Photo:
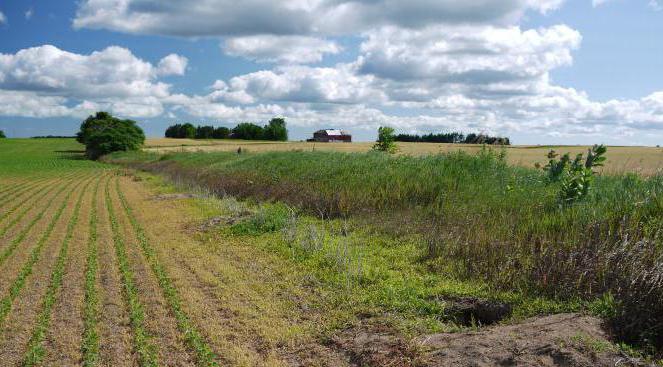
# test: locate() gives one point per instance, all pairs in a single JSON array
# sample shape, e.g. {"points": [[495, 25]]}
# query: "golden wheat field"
{"points": [[621, 159]]}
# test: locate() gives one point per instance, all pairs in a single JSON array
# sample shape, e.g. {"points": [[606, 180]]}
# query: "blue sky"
{"points": [[549, 71]]}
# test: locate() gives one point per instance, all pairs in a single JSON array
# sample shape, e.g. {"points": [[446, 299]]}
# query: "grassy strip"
{"points": [[26, 271], [9, 250], [90, 345], [145, 350], [204, 354], [36, 352], [25, 210]]}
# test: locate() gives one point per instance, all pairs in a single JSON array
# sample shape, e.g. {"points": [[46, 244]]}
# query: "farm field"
{"points": [[641, 160], [105, 265]]}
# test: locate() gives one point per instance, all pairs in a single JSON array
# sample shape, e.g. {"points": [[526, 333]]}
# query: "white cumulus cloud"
{"points": [[172, 65], [280, 49], [50, 80]]}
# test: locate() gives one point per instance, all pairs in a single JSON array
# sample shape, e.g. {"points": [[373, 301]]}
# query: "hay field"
{"points": [[642, 160]]}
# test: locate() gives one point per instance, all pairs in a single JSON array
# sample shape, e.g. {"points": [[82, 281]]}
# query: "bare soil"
{"points": [[570, 340]]}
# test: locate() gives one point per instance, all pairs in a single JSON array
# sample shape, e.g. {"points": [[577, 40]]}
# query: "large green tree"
{"points": [[102, 134], [204, 132], [248, 131], [276, 130], [221, 132], [2, 134]]}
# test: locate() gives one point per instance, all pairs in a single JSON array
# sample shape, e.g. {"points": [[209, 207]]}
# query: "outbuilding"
{"points": [[331, 136]]}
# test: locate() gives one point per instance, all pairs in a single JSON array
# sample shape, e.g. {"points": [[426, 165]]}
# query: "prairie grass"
{"points": [[645, 161], [473, 216]]}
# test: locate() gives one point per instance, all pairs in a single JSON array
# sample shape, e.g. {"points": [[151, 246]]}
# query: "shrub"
{"points": [[575, 175], [102, 134], [386, 140], [2, 135]]}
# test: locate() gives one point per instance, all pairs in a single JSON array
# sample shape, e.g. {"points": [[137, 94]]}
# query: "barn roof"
{"points": [[334, 132]]}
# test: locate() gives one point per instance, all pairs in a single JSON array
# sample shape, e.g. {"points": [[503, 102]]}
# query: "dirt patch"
{"points": [[559, 340], [569, 340], [375, 344], [470, 311]]}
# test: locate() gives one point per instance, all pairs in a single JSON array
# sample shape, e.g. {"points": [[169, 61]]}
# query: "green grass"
{"points": [[429, 227], [146, 351], [35, 352]]}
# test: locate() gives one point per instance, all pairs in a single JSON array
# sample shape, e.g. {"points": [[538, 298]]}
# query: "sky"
{"points": [[537, 71]]}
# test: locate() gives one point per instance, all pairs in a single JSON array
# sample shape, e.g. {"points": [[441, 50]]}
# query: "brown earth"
{"points": [[570, 340]]}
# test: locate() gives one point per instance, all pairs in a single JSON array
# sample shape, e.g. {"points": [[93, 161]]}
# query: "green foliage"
{"points": [[575, 176], [204, 132], [268, 218], [221, 133], [2, 135], [102, 134], [454, 138], [248, 131], [276, 130], [386, 140]]}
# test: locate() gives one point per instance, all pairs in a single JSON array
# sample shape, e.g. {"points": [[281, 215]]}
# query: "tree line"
{"points": [[454, 138], [274, 130]]}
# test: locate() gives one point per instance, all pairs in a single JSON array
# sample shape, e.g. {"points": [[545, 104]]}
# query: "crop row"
{"points": [[26, 270], [145, 350], [36, 351]]}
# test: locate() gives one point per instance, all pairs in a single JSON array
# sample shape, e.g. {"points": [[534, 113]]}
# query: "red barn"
{"points": [[331, 136]]}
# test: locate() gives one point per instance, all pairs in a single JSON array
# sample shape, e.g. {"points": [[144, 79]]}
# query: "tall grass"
{"points": [[476, 215]]}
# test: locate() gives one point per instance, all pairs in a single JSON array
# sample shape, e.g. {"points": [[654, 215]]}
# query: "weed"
{"points": [[268, 218]]}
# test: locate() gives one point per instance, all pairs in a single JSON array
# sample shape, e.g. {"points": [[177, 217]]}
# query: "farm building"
{"points": [[331, 135]]}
